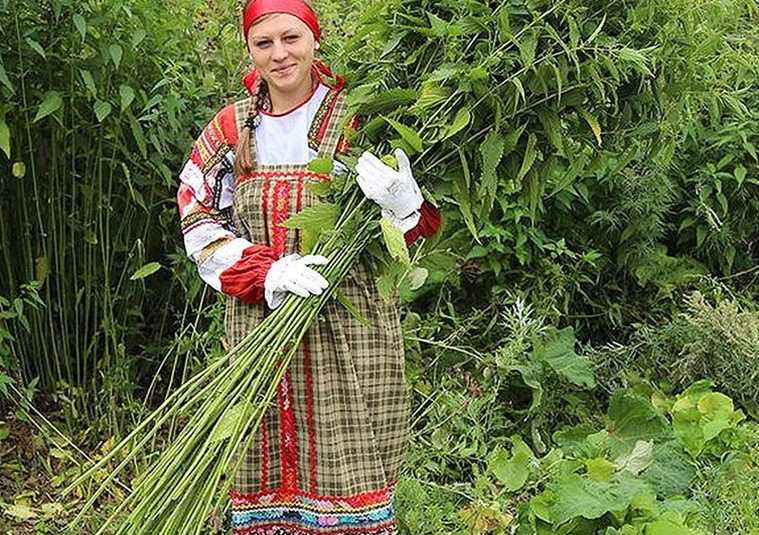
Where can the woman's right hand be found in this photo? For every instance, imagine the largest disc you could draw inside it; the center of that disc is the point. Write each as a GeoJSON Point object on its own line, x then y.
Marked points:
{"type": "Point", "coordinates": [292, 274]}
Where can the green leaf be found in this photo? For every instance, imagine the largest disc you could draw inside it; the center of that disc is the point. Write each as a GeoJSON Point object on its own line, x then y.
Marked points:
{"type": "Point", "coordinates": [408, 135]}
{"type": "Point", "coordinates": [527, 46]}
{"type": "Point", "coordinates": [81, 25]}
{"type": "Point", "coordinates": [552, 127]}
{"type": "Point", "coordinates": [116, 53]}
{"type": "Point", "coordinates": [530, 154]}
{"type": "Point", "coordinates": [127, 96]}
{"type": "Point", "coordinates": [138, 36]}
{"type": "Point", "coordinates": [145, 271]}
{"type": "Point", "coordinates": [51, 103]}
{"type": "Point", "coordinates": [593, 123]}
{"type": "Point", "coordinates": [491, 151]}
{"type": "Point", "coordinates": [671, 471]}
{"type": "Point", "coordinates": [102, 110]}
{"type": "Point", "coordinates": [514, 470]}
{"type": "Point", "coordinates": [394, 241]}
{"type": "Point", "coordinates": [633, 418]}
{"type": "Point", "coordinates": [600, 469]}
{"type": "Point", "coordinates": [319, 188]}
{"type": "Point", "coordinates": [463, 116]}
{"type": "Point", "coordinates": [557, 350]}
{"type": "Point", "coordinates": [5, 137]}
{"type": "Point", "coordinates": [318, 218]}
{"type": "Point", "coordinates": [4, 78]}
{"type": "Point", "coordinates": [229, 421]}
{"type": "Point", "coordinates": [36, 47]}
{"type": "Point", "coordinates": [321, 165]}
{"type": "Point", "coordinates": [576, 497]}
{"type": "Point", "coordinates": [417, 277]}
{"type": "Point", "coordinates": [640, 458]}
{"type": "Point", "coordinates": [740, 174]}
{"type": "Point", "coordinates": [89, 82]}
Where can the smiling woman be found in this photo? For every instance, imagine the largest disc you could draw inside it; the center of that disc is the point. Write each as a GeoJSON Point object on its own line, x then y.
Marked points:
{"type": "Point", "coordinates": [326, 457]}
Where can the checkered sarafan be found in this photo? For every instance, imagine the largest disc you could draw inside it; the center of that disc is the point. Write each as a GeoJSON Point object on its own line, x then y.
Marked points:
{"type": "Point", "coordinates": [332, 444]}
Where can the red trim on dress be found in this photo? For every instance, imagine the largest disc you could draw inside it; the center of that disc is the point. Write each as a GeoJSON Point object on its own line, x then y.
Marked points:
{"type": "Point", "coordinates": [321, 177]}
{"type": "Point", "coordinates": [363, 499]}
{"type": "Point", "coordinates": [386, 528]}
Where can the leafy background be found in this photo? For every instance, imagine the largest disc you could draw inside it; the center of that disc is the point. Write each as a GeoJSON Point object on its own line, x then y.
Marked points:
{"type": "Point", "coordinates": [583, 335]}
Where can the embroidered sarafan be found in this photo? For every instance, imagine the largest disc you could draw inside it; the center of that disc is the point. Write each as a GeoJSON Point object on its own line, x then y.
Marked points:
{"type": "Point", "coordinates": [327, 455]}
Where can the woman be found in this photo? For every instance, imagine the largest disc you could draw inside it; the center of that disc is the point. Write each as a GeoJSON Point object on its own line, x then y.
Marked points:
{"type": "Point", "coordinates": [328, 453]}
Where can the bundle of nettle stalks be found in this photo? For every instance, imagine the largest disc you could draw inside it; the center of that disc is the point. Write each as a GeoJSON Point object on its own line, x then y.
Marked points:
{"type": "Point", "coordinates": [474, 94]}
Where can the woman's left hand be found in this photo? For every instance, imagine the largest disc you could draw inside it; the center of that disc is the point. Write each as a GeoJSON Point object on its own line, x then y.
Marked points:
{"type": "Point", "coordinates": [396, 192]}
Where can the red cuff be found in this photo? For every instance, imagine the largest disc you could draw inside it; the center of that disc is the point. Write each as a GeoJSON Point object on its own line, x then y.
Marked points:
{"type": "Point", "coordinates": [245, 278]}
{"type": "Point", "coordinates": [428, 225]}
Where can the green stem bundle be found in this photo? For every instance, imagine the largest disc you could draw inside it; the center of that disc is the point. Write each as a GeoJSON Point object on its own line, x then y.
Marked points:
{"type": "Point", "coordinates": [225, 404]}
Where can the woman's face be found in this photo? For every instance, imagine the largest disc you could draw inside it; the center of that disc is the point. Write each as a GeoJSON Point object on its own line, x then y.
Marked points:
{"type": "Point", "coordinates": [282, 49]}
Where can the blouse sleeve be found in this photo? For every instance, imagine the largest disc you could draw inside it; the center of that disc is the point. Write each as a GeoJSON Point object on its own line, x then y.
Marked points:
{"type": "Point", "coordinates": [225, 261]}
{"type": "Point", "coordinates": [430, 218]}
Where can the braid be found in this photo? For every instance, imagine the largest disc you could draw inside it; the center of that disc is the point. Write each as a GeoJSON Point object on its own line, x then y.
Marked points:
{"type": "Point", "coordinates": [243, 157]}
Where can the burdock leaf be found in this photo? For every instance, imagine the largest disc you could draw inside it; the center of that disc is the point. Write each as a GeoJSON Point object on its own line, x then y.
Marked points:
{"type": "Point", "coordinates": [394, 241]}
{"type": "Point", "coordinates": [409, 135]}
{"type": "Point", "coordinates": [558, 351]}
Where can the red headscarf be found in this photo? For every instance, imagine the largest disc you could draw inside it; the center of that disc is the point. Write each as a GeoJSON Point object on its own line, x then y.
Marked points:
{"type": "Point", "coordinates": [298, 8]}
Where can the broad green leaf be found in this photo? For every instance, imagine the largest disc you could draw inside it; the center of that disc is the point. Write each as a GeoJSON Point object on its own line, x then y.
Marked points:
{"type": "Point", "coordinates": [593, 123]}
{"type": "Point", "coordinates": [36, 47]}
{"type": "Point", "coordinates": [5, 137]}
{"type": "Point", "coordinates": [81, 25]}
{"type": "Point", "coordinates": [127, 96]}
{"type": "Point", "coordinates": [459, 122]}
{"type": "Point", "coordinates": [226, 426]}
{"type": "Point", "coordinates": [740, 174]}
{"type": "Point", "coordinates": [633, 418]}
{"type": "Point", "coordinates": [557, 350]}
{"type": "Point", "coordinates": [138, 36]}
{"type": "Point", "coordinates": [319, 188]}
{"type": "Point", "coordinates": [116, 53]}
{"type": "Point", "coordinates": [386, 101]}
{"type": "Point", "coordinates": [321, 165]}
{"type": "Point", "coordinates": [671, 471]}
{"type": "Point", "coordinates": [512, 470]}
{"type": "Point", "coordinates": [318, 218]}
{"type": "Point", "coordinates": [408, 135]}
{"type": "Point", "coordinates": [530, 154]}
{"type": "Point", "coordinates": [600, 469]}
{"type": "Point", "coordinates": [394, 241]}
{"type": "Point", "coordinates": [417, 277]}
{"type": "Point", "coordinates": [577, 497]}
{"type": "Point", "coordinates": [102, 110]}
{"type": "Point", "coordinates": [145, 271]}
{"type": "Point", "coordinates": [4, 78]}
{"type": "Point", "coordinates": [89, 82]}
{"type": "Point", "coordinates": [640, 458]}
{"type": "Point", "coordinates": [491, 151]}
{"type": "Point", "coordinates": [50, 104]}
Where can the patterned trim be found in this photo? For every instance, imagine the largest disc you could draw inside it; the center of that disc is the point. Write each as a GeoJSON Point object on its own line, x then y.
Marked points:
{"type": "Point", "coordinates": [288, 440]}
{"type": "Point", "coordinates": [262, 174]}
{"type": "Point", "coordinates": [300, 513]}
{"type": "Point", "coordinates": [321, 119]}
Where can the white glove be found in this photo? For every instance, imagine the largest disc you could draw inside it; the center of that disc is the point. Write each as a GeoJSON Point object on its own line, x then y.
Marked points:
{"type": "Point", "coordinates": [396, 192]}
{"type": "Point", "coordinates": [292, 274]}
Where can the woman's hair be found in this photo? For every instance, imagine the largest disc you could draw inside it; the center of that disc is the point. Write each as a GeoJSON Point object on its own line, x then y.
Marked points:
{"type": "Point", "coordinates": [243, 157]}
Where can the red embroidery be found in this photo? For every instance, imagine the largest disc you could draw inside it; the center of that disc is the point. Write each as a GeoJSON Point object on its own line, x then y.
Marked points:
{"type": "Point", "coordinates": [321, 177]}
{"type": "Point", "coordinates": [285, 528]}
{"type": "Point", "coordinates": [265, 208]}
{"type": "Point", "coordinates": [280, 212]}
{"type": "Point", "coordinates": [288, 445]}
{"type": "Point", "coordinates": [364, 499]}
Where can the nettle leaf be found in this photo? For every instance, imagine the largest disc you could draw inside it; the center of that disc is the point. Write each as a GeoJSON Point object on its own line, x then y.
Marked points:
{"type": "Point", "coordinates": [116, 53]}
{"type": "Point", "coordinates": [127, 96]}
{"type": "Point", "coordinates": [5, 137]}
{"type": "Point", "coordinates": [321, 165]}
{"type": "Point", "coordinates": [463, 116]}
{"type": "Point", "coordinates": [593, 123]}
{"type": "Point", "coordinates": [145, 271]}
{"type": "Point", "coordinates": [226, 426]}
{"type": "Point", "coordinates": [81, 25]}
{"type": "Point", "coordinates": [4, 78]}
{"type": "Point", "coordinates": [530, 154]}
{"type": "Point", "coordinates": [409, 135]}
{"type": "Point", "coordinates": [557, 350]}
{"type": "Point", "coordinates": [491, 151]}
{"type": "Point", "coordinates": [394, 241]}
{"type": "Point", "coordinates": [102, 110]}
{"type": "Point", "coordinates": [552, 127]}
{"type": "Point", "coordinates": [527, 46]}
{"type": "Point", "coordinates": [50, 104]}
{"type": "Point", "coordinates": [312, 222]}
{"type": "Point", "coordinates": [36, 47]}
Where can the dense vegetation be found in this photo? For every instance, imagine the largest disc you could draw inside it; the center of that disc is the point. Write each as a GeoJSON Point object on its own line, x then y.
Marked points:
{"type": "Point", "coordinates": [582, 337]}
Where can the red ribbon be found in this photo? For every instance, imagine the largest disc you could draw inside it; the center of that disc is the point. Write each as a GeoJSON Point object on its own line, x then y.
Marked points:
{"type": "Point", "coordinates": [297, 8]}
